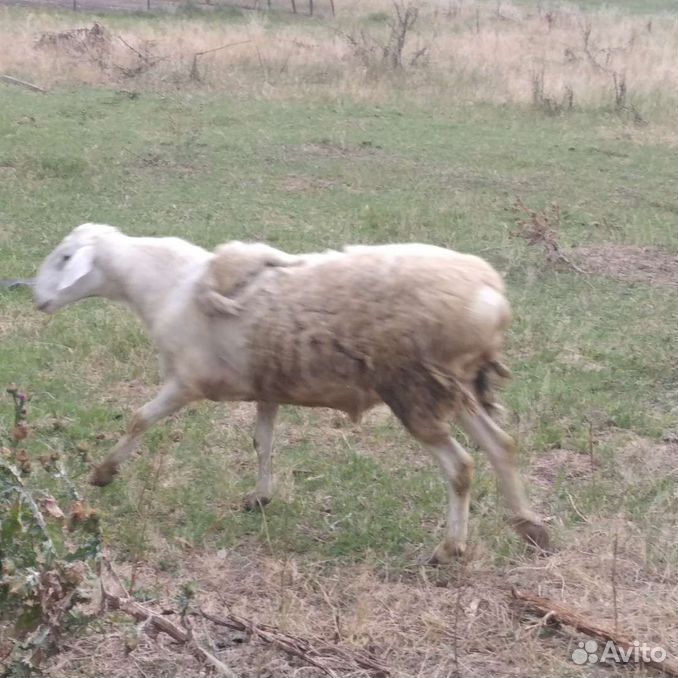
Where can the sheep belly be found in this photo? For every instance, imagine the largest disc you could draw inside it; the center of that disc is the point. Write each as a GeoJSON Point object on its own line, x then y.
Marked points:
{"type": "Point", "coordinates": [310, 365]}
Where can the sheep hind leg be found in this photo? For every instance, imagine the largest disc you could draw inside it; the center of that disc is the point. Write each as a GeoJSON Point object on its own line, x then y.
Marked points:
{"type": "Point", "coordinates": [422, 406]}
{"type": "Point", "coordinates": [263, 444]}
{"type": "Point", "coordinates": [172, 397]}
{"type": "Point", "coordinates": [500, 449]}
{"type": "Point", "coordinates": [457, 466]}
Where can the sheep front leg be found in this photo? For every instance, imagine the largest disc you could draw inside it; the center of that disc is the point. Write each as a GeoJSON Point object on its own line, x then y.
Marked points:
{"type": "Point", "coordinates": [170, 399]}
{"type": "Point", "coordinates": [263, 444]}
{"type": "Point", "coordinates": [500, 448]}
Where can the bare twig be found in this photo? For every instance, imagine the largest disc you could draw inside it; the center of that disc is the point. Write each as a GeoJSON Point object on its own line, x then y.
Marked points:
{"type": "Point", "coordinates": [22, 83]}
{"type": "Point", "coordinates": [591, 447]}
{"type": "Point", "coordinates": [613, 577]}
{"type": "Point", "coordinates": [146, 61]}
{"type": "Point", "coordinates": [295, 646]}
{"type": "Point", "coordinates": [455, 625]}
{"type": "Point", "coordinates": [162, 624]}
{"type": "Point", "coordinates": [335, 612]}
{"type": "Point", "coordinates": [195, 74]}
{"type": "Point", "coordinates": [140, 613]}
{"type": "Point", "coordinates": [216, 49]}
{"type": "Point", "coordinates": [540, 229]}
{"type": "Point", "coordinates": [143, 57]}
{"type": "Point", "coordinates": [561, 614]}
{"type": "Point", "coordinates": [402, 22]}
{"type": "Point", "coordinates": [576, 510]}
{"type": "Point", "coordinates": [114, 574]}
{"type": "Point", "coordinates": [300, 647]}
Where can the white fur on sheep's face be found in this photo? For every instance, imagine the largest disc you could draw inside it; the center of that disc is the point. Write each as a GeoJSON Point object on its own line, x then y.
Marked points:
{"type": "Point", "coordinates": [70, 272]}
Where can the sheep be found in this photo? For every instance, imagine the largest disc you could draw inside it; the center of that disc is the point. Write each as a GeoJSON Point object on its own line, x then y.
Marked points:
{"type": "Point", "coordinates": [417, 327]}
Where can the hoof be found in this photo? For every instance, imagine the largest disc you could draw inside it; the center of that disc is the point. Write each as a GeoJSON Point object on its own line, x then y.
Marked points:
{"type": "Point", "coordinates": [254, 502]}
{"type": "Point", "coordinates": [534, 533]}
{"type": "Point", "coordinates": [446, 553]}
{"type": "Point", "coordinates": [103, 474]}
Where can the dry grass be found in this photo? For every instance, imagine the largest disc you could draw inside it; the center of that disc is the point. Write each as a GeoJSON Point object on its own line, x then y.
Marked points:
{"type": "Point", "coordinates": [475, 52]}
{"type": "Point", "coordinates": [408, 621]}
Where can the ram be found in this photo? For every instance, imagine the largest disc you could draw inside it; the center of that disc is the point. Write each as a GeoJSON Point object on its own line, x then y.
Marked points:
{"type": "Point", "coordinates": [417, 327]}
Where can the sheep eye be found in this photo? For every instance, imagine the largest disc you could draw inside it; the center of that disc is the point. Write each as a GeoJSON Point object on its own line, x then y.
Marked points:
{"type": "Point", "coordinates": [66, 257]}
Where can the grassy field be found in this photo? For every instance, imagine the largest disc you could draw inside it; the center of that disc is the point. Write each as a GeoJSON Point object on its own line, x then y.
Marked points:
{"type": "Point", "coordinates": [309, 153]}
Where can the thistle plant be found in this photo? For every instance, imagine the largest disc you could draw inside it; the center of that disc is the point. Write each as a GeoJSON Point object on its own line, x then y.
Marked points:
{"type": "Point", "coordinates": [47, 557]}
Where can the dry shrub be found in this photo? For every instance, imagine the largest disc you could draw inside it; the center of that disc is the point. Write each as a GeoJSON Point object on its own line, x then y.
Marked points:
{"type": "Point", "coordinates": [540, 229]}
{"type": "Point", "coordinates": [387, 52]}
{"type": "Point", "coordinates": [474, 51]}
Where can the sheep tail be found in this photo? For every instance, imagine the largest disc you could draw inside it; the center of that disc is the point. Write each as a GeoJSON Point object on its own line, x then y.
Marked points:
{"type": "Point", "coordinates": [485, 386]}
{"type": "Point", "coordinates": [211, 303]}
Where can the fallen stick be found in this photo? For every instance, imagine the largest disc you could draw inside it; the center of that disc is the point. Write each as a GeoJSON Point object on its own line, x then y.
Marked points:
{"type": "Point", "coordinates": [282, 640]}
{"type": "Point", "coordinates": [561, 614]}
{"type": "Point", "coordinates": [22, 83]}
{"type": "Point", "coordinates": [299, 647]}
{"type": "Point", "coordinates": [181, 635]}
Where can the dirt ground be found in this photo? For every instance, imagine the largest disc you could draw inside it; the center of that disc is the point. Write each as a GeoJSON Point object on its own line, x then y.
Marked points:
{"type": "Point", "coordinates": [628, 263]}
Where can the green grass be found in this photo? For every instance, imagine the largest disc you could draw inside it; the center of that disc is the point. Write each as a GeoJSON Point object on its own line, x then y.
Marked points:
{"type": "Point", "coordinates": [307, 175]}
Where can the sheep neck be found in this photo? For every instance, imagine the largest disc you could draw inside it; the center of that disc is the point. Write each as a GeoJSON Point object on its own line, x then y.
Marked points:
{"type": "Point", "coordinates": [149, 273]}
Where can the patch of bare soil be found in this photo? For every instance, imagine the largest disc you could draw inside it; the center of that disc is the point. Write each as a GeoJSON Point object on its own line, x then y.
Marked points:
{"type": "Point", "coordinates": [560, 464]}
{"type": "Point", "coordinates": [637, 456]}
{"type": "Point", "coordinates": [301, 184]}
{"type": "Point", "coordinates": [628, 263]}
{"type": "Point", "coordinates": [328, 149]}
{"type": "Point", "coordinates": [634, 456]}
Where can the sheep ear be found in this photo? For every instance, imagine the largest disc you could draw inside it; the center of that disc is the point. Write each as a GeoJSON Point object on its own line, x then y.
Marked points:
{"type": "Point", "coordinates": [77, 267]}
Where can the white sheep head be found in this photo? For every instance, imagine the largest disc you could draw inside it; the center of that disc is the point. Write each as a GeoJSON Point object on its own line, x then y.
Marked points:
{"type": "Point", "coordinates": [70, 272]}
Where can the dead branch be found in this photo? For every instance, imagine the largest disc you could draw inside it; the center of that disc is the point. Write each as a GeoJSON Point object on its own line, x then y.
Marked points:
{"type": "Point", "coordinates": [141, 614]}
{"type": "Point", "coordinates": [195, 74]}
{"type": "Point", "coordinates": [159, 623]}
{"type": "Point", "coordinates": [299, 647]}
{"type": "Point", "coordinates": [295, 646]}
{"type": "Point", "coordinates": [561, 614]}
{"type": "Point", "coordinates": [145, 63]}
{"type": "Point", "coordinates": [143, 57]}
{"type": "Point", "coordinates": [22, 83]}
{"type": "Point", "coordinates": [540, 229]}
